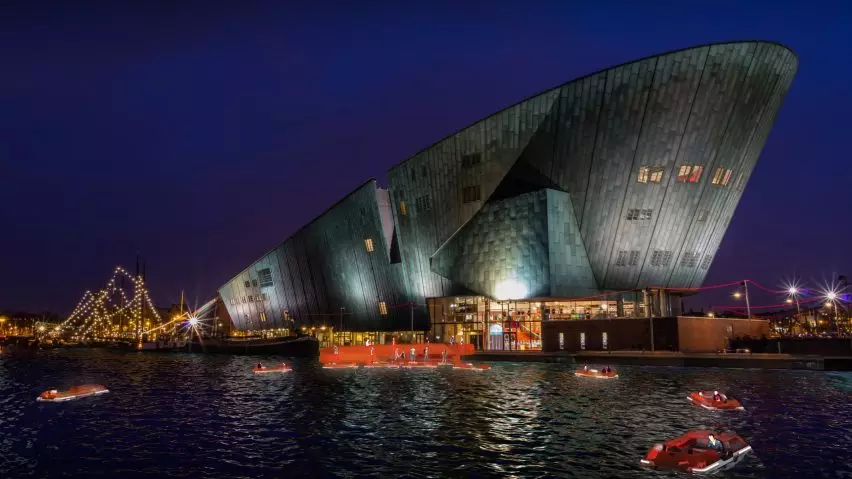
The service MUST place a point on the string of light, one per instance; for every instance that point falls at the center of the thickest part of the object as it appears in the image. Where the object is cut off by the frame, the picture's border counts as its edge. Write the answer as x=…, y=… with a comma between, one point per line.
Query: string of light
x=102, y=314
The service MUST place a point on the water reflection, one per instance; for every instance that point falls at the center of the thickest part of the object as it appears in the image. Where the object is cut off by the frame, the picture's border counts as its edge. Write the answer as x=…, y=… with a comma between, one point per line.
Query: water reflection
x=209, y=416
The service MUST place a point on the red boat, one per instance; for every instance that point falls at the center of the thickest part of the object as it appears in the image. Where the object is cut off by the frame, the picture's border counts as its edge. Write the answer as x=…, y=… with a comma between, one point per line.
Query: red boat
x=75, y=392
x=693, y=452
x=261, y=369
x=705, y=400
x=594, y=373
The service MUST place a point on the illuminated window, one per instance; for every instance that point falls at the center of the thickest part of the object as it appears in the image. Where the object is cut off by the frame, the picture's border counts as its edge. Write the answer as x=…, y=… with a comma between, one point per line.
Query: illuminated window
x=383, y=308
x=644, y=172
x=689, y=173
x=721, y=177
x=403, y=209
x=262, y=316
x=368, y=243
x=656, y=175
x=471, y=194
x=702, y=215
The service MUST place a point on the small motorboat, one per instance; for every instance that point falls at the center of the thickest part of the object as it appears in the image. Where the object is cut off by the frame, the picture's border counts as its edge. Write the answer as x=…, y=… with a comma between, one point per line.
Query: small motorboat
x=594, y=373
x=692, y=452
x=76, y=392
x=705, y=400
x=261, y=369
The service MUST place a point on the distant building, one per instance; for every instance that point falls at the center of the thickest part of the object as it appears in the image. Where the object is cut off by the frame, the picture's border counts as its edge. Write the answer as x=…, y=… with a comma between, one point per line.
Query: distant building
x=620, y=183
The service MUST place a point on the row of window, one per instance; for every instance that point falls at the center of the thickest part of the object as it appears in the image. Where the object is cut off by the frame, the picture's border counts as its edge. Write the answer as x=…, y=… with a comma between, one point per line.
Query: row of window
x=687, y=174
x=627, y=258
x=663, y=258
x=637, y=214
x=249, y=299
x=422, y=203
x=648, y=174
x=265, y=279
x=383, y=307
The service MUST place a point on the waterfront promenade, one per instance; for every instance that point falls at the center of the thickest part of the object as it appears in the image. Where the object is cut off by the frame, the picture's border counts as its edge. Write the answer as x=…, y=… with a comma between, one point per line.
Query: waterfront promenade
x=677, y=359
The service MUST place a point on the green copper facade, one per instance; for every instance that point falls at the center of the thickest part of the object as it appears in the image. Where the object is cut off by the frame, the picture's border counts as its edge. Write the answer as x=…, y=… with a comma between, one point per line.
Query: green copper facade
x=623, y=179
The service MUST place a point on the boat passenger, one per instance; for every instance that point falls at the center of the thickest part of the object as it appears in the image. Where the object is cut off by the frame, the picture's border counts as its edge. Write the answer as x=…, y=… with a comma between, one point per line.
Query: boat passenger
x=259, y=366
x=717, y=396
x=586, y=367
x=714, y=443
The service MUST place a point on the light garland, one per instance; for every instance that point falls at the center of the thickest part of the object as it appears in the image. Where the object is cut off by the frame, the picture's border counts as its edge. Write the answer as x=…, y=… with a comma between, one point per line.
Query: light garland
x=96, y=314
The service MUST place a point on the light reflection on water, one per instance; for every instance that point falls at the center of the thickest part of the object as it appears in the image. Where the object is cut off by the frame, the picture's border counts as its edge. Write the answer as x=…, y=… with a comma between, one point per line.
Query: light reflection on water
x=208, y=416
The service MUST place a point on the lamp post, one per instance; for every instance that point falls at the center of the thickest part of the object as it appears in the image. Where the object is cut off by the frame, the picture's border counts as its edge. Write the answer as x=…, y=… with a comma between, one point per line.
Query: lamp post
x=738, y=295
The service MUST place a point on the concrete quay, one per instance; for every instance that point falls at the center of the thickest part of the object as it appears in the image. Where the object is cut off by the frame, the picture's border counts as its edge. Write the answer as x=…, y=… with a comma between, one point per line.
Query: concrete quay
x=676, y=359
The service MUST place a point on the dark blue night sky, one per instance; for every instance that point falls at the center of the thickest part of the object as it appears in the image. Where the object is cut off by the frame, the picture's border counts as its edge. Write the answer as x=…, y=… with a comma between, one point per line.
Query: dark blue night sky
x=203, y=135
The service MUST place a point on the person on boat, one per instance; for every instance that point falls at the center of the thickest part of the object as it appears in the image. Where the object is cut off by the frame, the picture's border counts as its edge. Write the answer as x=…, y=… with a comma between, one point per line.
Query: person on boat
x=426, y=352
x=444, y=357
x=413, y=354
x=259, y=366
x=714, y=443
x=586, y=367
x=717, y=396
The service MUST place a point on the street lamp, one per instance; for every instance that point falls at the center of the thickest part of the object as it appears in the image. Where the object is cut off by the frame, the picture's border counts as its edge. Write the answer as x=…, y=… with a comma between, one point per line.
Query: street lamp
x=831, y=296
x=738, y=295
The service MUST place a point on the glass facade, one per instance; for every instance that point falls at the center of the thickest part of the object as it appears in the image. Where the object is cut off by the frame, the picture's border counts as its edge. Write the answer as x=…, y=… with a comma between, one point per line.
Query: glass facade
x=515, y=325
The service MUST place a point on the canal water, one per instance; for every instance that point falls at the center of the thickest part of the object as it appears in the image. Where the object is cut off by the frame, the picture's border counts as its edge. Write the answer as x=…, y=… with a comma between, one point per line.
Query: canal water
x=194, y=416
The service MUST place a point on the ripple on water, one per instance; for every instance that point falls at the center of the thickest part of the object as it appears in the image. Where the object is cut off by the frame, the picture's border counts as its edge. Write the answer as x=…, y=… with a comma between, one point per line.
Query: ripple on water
x=208, y=416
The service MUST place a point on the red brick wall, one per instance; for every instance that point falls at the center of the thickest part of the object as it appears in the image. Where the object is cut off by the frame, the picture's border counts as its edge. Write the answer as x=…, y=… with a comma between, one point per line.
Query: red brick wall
x=699, y=334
